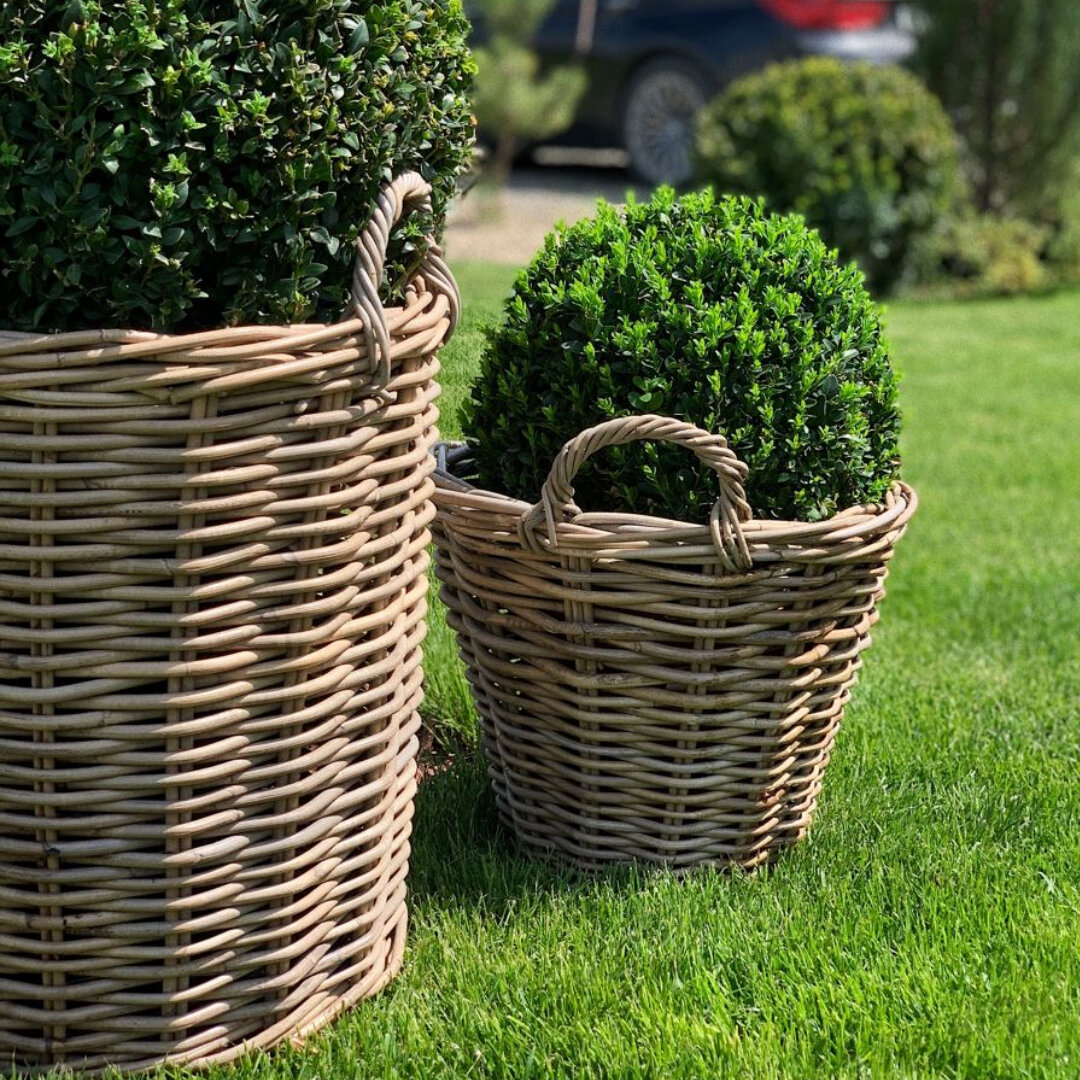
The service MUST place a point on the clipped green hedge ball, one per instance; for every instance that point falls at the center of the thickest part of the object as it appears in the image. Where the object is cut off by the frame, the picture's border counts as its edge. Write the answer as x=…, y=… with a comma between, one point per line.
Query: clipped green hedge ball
x=864, y=152
x=187, y=164
x=708, y=310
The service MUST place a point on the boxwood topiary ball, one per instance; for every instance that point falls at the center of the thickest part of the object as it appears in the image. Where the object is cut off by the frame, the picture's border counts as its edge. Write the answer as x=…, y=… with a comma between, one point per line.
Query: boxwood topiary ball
x=186, y=164
x=708, y=310
x=864, y=152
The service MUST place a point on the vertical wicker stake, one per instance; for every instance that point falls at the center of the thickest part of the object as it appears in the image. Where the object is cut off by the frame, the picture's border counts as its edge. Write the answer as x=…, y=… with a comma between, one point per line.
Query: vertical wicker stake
x=213, y=554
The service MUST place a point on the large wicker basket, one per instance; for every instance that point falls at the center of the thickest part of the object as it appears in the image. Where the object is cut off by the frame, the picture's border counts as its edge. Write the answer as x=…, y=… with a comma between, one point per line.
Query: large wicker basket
x=212, y=599
x=652, y=690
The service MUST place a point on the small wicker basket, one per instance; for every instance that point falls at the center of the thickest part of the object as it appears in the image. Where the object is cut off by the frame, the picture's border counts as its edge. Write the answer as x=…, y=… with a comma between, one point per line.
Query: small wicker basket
x=213, y=554
x=651, y=690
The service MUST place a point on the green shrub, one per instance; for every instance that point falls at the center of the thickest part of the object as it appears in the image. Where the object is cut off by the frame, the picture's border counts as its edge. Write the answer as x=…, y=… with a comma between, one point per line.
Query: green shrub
x=709, y=310
x=865, y=153
x=1060, y=217
x=188, y=163
x=517, y=97
x=984, y=255
x=1061, y=252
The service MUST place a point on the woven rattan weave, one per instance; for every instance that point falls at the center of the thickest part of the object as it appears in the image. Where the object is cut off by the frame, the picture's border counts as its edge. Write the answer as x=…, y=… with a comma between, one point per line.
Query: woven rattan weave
x=212, y=599
x=651, y=690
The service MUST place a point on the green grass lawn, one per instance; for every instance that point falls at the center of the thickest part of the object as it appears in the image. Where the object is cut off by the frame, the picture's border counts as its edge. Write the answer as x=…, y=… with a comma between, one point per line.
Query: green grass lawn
x=930, y=924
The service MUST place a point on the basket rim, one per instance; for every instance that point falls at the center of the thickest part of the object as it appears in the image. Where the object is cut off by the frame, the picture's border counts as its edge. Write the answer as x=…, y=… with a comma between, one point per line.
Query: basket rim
x=22, y=352
x=103, y=343
x=589, y=529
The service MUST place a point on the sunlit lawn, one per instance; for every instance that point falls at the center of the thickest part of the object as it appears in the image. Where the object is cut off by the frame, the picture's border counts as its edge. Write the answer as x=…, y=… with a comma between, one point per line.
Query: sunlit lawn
x=930, y=925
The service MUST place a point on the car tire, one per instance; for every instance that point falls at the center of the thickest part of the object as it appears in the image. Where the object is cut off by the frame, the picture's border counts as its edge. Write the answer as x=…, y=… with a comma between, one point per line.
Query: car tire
x=661, y=106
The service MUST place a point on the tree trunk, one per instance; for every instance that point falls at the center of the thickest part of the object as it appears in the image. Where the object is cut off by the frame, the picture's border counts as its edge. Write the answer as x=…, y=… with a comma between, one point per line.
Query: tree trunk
x=502, y=163
x=986, y=190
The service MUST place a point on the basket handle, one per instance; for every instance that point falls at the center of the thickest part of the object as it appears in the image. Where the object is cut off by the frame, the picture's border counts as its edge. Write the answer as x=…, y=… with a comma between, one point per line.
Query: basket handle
x=407, y=192
x=728, y=512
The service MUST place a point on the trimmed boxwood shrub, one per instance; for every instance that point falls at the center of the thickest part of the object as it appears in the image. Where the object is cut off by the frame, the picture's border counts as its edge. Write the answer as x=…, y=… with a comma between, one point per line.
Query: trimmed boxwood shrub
x=189, y=163
x=866, y=153
x=702, y=308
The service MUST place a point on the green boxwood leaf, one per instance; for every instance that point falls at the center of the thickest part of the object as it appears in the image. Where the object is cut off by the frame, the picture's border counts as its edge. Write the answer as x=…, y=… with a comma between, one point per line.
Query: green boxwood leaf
x=22, y=225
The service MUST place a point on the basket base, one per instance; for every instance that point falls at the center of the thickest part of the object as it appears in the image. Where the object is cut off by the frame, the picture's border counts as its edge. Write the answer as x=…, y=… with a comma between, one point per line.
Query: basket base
x=310, y=1017
x=578, y=852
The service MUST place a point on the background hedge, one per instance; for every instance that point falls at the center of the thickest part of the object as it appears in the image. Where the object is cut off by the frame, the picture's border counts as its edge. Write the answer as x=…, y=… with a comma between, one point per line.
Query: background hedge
x=866, y=153
x=182, y=164
x=706, y=309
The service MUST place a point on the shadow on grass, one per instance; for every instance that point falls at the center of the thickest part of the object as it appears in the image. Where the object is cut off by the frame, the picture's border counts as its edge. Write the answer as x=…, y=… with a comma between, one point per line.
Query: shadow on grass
x=463, y=856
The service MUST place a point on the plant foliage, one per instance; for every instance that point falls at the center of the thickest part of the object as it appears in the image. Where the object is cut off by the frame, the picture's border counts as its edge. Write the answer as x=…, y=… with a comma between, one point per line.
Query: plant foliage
x=864, y=152
x=703, y=308
x=185, y=163
x=987, y=255
x=513, y=98
x=1008, y=71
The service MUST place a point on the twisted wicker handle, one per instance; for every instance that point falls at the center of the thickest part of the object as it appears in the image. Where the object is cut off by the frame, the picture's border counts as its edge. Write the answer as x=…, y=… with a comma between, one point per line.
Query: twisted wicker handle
x=409, y=191
x=730, y=508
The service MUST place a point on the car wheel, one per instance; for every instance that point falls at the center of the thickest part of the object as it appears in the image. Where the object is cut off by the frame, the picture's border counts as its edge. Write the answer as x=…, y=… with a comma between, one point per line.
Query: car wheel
x=660, y=119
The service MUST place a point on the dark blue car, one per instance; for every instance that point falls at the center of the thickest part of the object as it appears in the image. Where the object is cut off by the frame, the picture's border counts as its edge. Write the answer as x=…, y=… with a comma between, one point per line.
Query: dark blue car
x=652, y=64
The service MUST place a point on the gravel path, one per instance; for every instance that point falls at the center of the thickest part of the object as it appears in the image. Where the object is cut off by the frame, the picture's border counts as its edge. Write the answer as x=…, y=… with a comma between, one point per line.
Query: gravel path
x=509, y=227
